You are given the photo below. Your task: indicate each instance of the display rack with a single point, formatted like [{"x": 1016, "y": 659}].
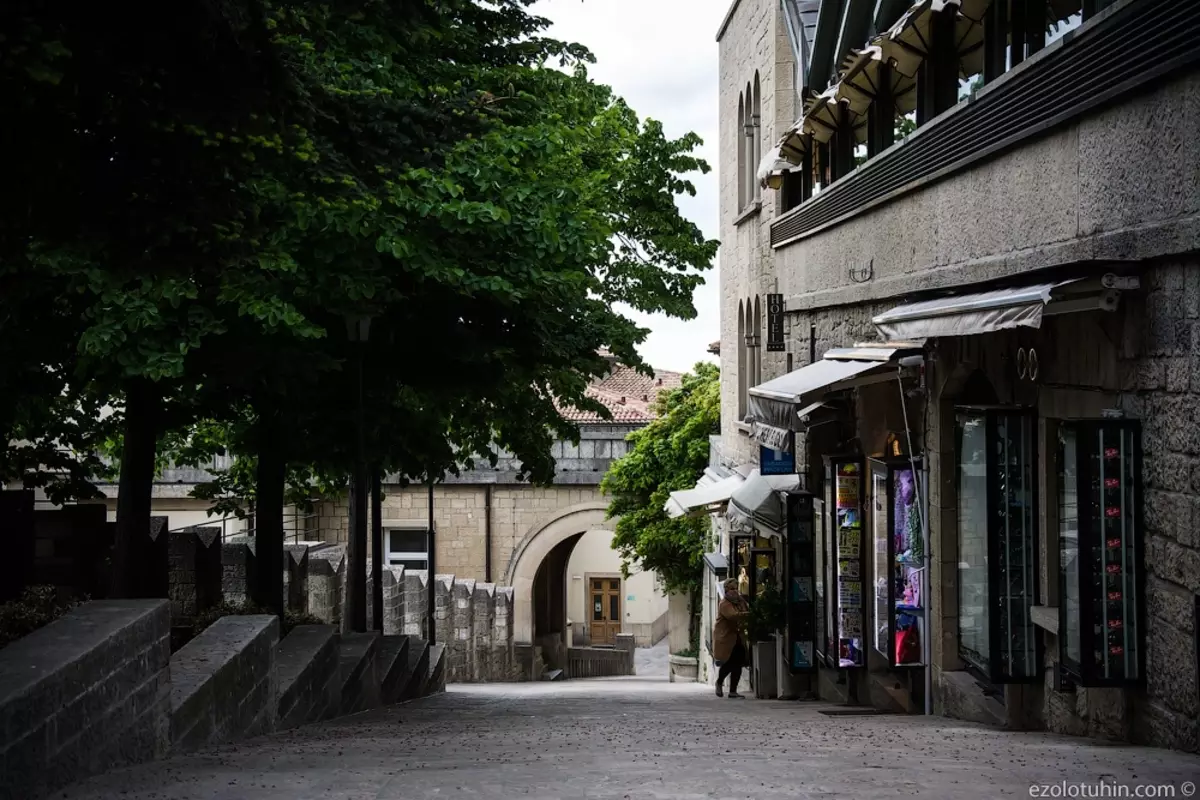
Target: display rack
[
  {"x": 997, "y": 543},
  {"x": 800, "y": 578},
  {"x": 1102, "y": 572},
  {"x": 846, "y": 618},
  {"x": 899, "y": 549}
]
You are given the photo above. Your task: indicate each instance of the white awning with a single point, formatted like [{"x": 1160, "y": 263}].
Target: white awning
[
  {"x": 988, "y": 312},
  {"x": 782, "y": 402},
  {"x": 708, "y": 496},
  {"x": 756, "y": 504}
]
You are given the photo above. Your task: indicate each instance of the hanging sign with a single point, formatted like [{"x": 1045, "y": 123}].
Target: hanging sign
[
  {"x": 775, "y": 323},
  {"x": 777, "y": 462}
]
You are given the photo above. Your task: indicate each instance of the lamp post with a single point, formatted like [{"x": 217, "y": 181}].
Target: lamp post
[{"x": 358, "y": 329}]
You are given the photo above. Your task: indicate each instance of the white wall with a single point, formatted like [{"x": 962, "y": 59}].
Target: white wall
[{"x": 594, "y": 555}]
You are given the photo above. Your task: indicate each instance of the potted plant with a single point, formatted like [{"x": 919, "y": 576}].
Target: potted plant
[
  {"x": 767, "y": 615},
  {"x": 685, "y": 666}
]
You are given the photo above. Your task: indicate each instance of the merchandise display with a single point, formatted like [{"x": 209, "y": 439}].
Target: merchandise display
[
  {"x": 800, "y": 598},
  {"x": 1100, "y": 552},
  {"x": 897, "y": 531},
  {"x": 846, "y": 554}
]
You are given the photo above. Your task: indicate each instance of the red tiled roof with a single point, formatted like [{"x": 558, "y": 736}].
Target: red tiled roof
[{"x": 628, "y": 394}]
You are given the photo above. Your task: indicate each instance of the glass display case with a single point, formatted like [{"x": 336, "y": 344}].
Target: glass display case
[
  {"x": 997, "y": 543},
  {"x": 1101, "y": 553},
  {"x": 800, "y": 600},
  {"x": 897, "y": 531},
  {"x": 845, "y": 617}
]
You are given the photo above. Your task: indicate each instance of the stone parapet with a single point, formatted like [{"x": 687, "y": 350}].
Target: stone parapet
[
  {"x": 88, "y": 692},
  {"x": 308, "y": 665}
]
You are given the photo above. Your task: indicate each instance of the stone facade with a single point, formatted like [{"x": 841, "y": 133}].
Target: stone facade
[
  {"x": 88, "y": 692},
  {"x": 1092, "y": 195}
]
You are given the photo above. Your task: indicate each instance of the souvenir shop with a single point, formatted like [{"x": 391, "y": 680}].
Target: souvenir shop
[{"x": 857, "y": 410}]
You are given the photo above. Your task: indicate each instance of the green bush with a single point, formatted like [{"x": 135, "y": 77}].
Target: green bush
[
  {"x": 689, "y": 653},
  {"x": 767, "y": 614},
  {"x": 37, "y": 606}
]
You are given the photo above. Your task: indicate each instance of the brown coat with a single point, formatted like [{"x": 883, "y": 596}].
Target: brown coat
[{"x": 728, "y": 629}]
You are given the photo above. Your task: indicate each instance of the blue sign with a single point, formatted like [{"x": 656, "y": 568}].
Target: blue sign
[{"x": 776, "y": 462}]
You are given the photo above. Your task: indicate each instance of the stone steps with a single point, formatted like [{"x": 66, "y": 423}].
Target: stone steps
[
  {"x": 418, "y": 669},
  {"x": 393, "y": 668},
  {"x": 359, "y": 678}
]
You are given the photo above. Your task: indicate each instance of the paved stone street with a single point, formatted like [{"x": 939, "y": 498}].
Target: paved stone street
[{"x": 635, "y": 738}]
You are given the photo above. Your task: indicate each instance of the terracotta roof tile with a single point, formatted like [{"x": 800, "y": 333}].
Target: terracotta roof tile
[{"x": 627, "y": 393}]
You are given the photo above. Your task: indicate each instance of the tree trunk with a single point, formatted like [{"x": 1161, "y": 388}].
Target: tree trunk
[
  {"x": 132, "y": 559},
  {"x": 694, "y": 620},
  {"x": 270, "y": 480}
]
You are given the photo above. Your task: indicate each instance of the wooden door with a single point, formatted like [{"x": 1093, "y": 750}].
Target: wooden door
[{"x": 604, "y": 603}]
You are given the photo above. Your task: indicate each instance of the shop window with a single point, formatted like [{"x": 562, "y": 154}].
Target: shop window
[
  {"x": 819, "y": 580},
  {"x": 800, "y": 599},
  {"x": 1100, "y": 553},
  {"x": 997, "y": 543},
  {"x": 898, "y": 534},
  {"x": 845, "y": 626}
]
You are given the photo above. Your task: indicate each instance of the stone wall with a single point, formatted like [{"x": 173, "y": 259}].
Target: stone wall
[
  {"x": 224, "y": 685},
  {"x": 308, "y": 665},
  {"x": 460, "y": 519},
  {"x": 88, "y": 692}
]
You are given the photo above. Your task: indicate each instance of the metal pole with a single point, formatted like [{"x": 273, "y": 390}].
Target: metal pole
[
  {"x": 377, "y": 548},
  {"x": 356, "y": 593},
  {"x": 431, "y": 624}
]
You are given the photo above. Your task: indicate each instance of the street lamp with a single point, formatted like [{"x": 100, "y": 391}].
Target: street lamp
[{"x": 358, "y": 330}]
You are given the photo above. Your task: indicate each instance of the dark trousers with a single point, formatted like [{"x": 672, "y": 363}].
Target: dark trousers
[{"x": 733, "y": 667}]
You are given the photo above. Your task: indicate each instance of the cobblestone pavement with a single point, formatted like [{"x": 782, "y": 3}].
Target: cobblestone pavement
[{"x": 635, "y": 738}]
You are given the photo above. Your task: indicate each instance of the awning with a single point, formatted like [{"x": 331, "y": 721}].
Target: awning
[
  {"x": 756, "y": 504},
  {"x": 782, "y": 402},
  {"x": 998, "y": 310},
  {"x": 712, "y": 492}
]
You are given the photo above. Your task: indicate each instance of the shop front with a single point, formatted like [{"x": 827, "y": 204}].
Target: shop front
[
  {"x": 851, "y": 414},
  {"x": 1035, "y": 448}
]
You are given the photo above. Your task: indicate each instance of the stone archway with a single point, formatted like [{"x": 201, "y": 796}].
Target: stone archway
[{"x": 538, "y": 543}]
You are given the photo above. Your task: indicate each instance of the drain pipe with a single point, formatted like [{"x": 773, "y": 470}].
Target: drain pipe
[
  {"x": 926, "y": 559},
  {"x": 431, "y": 556},
  {"x": 487, "y": 533}
]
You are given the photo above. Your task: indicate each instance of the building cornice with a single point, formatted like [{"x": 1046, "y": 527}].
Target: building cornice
[{"x": 728, "y": 16}]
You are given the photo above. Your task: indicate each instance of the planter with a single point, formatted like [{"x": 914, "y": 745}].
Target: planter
[
  {"x": 764, "y": 670},
  {"x": 684, "y": 669}
]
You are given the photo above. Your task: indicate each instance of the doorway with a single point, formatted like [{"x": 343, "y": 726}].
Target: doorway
[{"x": 604, "y": 604}]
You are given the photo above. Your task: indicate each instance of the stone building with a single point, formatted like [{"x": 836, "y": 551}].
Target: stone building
[{"x": 960, "y": 287}]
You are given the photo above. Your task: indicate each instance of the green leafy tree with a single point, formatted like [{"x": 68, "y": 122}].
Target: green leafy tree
[{"x": 667, "y": 455}]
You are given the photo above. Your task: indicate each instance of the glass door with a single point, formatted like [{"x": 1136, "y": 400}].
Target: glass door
[{"x": 899, "y": 546}]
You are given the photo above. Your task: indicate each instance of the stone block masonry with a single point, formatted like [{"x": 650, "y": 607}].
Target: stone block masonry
[
  {"x": 88, "y": 692},
  {"x": 224, "y": 685},
  {"x": 196, "y": 578},
  {"x": 308, "y": 665}
]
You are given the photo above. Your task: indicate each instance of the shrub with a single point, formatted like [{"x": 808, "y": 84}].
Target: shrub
[{"x": 37, "y": 606}]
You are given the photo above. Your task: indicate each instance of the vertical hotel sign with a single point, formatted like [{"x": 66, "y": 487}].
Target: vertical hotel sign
[{"x": 775, "y": 323}]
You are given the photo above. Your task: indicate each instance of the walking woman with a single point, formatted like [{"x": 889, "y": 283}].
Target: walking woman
[{"x": 729, "y": 646}]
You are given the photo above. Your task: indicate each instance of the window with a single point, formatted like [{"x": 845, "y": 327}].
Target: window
[
  {"x": 408, "y": 548},
  {"x": 755, "y": 134},
  {"x": 755, "y": 344},
  {"x": 1100, "y": 553},
  {"x": 997, "y": 543},
  {"x": 743, "y": 376},
  {"x": 741, "y": 153}
]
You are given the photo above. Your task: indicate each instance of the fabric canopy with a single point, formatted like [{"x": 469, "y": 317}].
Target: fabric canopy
[
  {"x": 756, "y": 504},
  {"x": 782, "y": 402},
  {"x": 706, "y": 494},
  {"x": 970, "y": 314}
]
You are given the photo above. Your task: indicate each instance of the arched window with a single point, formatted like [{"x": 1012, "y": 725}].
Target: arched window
[
  {"x": 748, "y": 145},
  {"x": 742, "y": 377},
  {"x": 741, "y": 162},
  {"x": 756, "y": 140},
  {"x": 756, "y": 342}
]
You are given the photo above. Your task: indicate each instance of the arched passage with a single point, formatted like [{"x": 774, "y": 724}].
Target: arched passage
[{"x": 537, "y": 570}]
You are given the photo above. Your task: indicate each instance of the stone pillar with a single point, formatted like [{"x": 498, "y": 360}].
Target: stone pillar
[
  {"x": 484, "y": 604},
  {"x": 156, "y": 580},
  {"x": 414, "y": 602},
  {"x": 504, "y": 662},
  {"x": 295, "y": 577},
  {"x": 237, "y": 572},
  {"x": 195, "y": 569},
  {"x": 461, "y": 620},
  {"x": 325, "y": 569},
  {"x": 18, "y": 533},
  {"x": 626, "y": 643},
  {"x": 400, "y": 601},
  {"x": 393, "y": 623}
]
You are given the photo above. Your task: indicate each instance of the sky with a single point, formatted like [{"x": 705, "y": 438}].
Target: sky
[{"x": 661, "y": 56}]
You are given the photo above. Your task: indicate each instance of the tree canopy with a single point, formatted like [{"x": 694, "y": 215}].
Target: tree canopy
[
  {"x": 667, "y": 455},
  {"x": 203, "y": 199}
]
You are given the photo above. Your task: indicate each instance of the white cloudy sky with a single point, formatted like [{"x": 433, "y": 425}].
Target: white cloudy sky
[{"x": 661, "y": 56}]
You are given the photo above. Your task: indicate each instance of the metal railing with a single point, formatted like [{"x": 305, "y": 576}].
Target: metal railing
[{"x": 297, "y": 526}]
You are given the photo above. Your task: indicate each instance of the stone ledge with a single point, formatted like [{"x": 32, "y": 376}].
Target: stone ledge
[
  {"x": 1045, "y": 617},
  {"x": 306, "y": 665},
  {"x": 223, "y": 683}
]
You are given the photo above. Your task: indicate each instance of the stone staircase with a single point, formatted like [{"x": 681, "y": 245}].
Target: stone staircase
[{"x": 323, "y": 675}]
